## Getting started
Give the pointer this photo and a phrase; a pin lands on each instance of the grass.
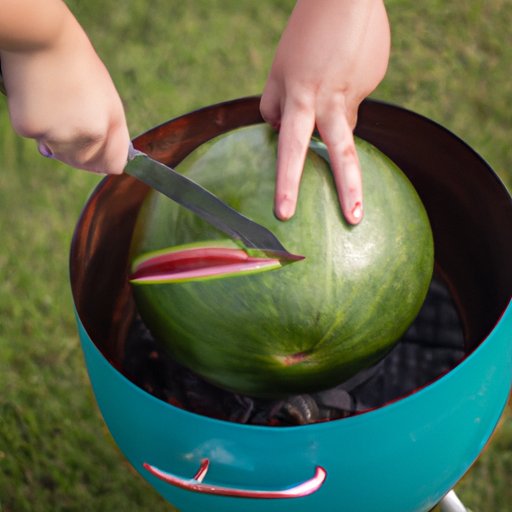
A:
(450, 61)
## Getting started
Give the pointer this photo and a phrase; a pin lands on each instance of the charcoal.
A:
(432, 346)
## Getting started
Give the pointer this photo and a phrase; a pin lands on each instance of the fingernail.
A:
(357, 211)
(44, 150)
(284, 210)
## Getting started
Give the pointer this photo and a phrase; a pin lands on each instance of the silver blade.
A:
(209, 207)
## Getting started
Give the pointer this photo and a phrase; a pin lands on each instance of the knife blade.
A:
(208, 206)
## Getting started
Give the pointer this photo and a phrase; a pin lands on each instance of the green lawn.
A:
(451, 61)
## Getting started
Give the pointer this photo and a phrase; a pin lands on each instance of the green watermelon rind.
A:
(308, 325)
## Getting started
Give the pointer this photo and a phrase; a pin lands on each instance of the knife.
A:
(202, 202)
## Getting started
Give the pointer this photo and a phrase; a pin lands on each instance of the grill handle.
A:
(196, 484)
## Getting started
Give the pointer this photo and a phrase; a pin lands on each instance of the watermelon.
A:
(253, 324)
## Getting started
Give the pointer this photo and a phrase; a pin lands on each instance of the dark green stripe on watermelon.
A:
(308, 325)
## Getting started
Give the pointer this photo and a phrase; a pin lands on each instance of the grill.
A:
(401, 435)
(431, 347)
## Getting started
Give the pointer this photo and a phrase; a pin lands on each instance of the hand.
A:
(332, 54)
(60, 93)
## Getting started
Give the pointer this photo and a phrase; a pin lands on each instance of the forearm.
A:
(326, 14)
(39, 41)
(36, 30)
(32, 25)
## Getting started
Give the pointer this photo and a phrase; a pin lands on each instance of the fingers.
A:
(336, 132)
(116, 150)
(270, 106)
(102, 151)
(294, 136)
(296, 123)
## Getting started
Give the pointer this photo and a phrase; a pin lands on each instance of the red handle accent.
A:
(196, 484)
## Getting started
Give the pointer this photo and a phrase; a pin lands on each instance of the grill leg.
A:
(451, 503)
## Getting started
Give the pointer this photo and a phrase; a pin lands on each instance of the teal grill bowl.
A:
(403, 456)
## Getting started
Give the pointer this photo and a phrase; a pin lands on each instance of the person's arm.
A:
(332, 54)
(58, 90)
